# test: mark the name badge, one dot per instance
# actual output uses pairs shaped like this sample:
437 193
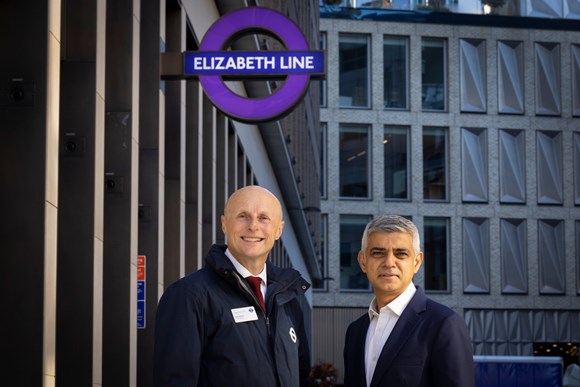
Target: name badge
247 313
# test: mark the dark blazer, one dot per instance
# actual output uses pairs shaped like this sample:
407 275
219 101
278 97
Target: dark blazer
429 346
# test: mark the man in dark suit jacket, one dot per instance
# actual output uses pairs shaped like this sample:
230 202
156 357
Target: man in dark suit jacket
406 339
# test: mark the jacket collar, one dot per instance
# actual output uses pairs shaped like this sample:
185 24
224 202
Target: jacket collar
278 278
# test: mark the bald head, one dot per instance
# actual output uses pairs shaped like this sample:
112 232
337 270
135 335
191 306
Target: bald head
252 222
253 191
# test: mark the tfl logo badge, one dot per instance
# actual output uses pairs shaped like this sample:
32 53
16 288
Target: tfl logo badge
293 335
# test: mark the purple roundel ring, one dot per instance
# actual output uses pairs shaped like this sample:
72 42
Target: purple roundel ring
254 109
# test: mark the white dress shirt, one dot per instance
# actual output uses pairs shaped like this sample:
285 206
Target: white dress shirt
246 273
381 326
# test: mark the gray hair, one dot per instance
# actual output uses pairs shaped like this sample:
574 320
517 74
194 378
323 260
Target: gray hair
392 223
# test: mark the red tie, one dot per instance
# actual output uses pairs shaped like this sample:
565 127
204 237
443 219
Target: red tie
255 283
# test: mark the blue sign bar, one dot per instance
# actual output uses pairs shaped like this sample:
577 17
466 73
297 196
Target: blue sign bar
140 314
140 304
253 63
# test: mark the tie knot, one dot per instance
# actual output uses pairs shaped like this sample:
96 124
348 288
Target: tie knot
254 282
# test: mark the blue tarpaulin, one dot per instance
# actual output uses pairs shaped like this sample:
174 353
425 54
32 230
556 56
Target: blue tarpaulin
518 371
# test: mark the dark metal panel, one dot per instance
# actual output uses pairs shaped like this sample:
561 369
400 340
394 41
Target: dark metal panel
150 178
148 245
22 198
117 236
76 224
192 174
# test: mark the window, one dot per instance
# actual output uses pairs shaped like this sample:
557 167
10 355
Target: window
514 256
512 166
575 80
474 165
476 255
351 231
510 77
322 82
578 257
354 161
436 248
354 70
576 167
396 153
435 163
549 168
395 72
323 159
473 78
547 76
433 75
551 257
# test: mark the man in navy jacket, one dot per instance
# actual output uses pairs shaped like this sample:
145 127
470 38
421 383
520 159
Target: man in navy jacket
405 339
211 329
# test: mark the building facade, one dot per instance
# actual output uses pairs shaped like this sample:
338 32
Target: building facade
468 124
114 176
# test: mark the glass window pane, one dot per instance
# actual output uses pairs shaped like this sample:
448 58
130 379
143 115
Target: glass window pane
396 156
353 70
351 231
434 163
436 242
395 72
354 161
433 74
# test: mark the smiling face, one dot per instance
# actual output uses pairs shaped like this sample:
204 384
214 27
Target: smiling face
390 262
252 222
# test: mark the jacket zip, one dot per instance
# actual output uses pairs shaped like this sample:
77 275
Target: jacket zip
244 286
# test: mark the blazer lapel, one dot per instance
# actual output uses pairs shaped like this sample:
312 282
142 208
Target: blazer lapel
358 357
403 329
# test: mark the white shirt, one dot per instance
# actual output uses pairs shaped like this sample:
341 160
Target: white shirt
246 273
381 326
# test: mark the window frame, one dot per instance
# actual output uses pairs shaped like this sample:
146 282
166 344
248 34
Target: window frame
429 260
445 74
364 219
406 41
368 97
341 129
446 166
407 130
